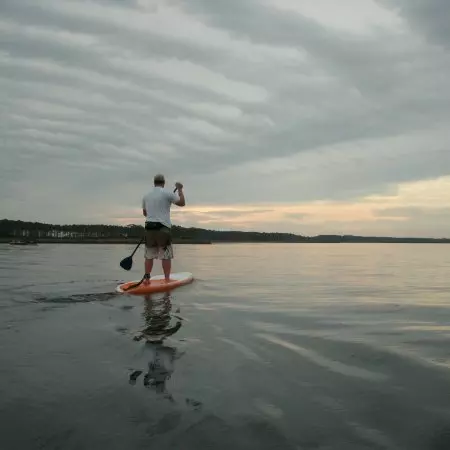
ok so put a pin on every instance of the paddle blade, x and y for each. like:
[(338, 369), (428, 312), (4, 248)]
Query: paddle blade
[(126, 263)]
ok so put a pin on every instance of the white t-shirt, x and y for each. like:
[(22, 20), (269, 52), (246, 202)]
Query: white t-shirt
[(157, 203)]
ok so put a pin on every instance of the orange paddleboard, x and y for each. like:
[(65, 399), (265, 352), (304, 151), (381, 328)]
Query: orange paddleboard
[(157, 284)]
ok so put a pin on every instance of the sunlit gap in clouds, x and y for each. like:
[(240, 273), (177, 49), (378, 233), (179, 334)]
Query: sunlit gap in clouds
[(402, 213)]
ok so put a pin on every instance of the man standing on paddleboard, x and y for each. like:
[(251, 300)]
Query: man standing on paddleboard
[(158, 240)]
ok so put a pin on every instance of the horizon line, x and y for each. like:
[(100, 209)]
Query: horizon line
[(233, 231)]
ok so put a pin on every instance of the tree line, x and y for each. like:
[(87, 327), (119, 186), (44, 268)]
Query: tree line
[(17, 229)]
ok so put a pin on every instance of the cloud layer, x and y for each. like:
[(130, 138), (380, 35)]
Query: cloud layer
[(277, 115)]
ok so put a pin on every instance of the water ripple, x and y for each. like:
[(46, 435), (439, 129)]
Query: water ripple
[(332, 365)]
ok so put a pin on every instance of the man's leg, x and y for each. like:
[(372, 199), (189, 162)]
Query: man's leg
[(165, 243), (151, 252), (148, 266), (167, 266)]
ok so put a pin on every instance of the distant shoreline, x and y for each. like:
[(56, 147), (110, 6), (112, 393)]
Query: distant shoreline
[(44, 233), (99, 241), (132, 241)]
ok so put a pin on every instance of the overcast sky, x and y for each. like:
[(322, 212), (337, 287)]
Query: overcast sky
[(303, 116)]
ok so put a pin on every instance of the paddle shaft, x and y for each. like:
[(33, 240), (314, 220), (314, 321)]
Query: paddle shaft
[(137, 246)]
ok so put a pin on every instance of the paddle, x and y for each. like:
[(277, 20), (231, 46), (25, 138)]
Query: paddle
[(127, 263)]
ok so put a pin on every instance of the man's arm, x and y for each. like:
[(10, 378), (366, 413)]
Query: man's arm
[(144, 211), (181, 200)]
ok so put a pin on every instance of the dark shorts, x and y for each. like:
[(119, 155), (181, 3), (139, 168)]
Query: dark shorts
[(158, 242)]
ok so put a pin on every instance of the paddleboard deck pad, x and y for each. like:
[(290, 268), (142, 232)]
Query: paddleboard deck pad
[(157, 284)]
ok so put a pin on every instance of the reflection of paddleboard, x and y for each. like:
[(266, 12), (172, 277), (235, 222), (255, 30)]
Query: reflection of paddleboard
[(157, 284)]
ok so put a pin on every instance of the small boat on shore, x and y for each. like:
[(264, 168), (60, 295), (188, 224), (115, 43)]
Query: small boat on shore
[(21, 242)]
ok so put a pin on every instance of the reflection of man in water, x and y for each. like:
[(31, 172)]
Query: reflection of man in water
[(160, 367), (157, 316)]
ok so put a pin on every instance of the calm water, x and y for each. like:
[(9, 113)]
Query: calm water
[(280, 347)]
